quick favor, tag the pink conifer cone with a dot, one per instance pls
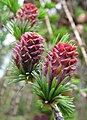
(61, 62)
(28, 12)
(28, 51)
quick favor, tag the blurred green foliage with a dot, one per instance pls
(50, 5)
(79, 11)
(13, 6)
(41, 13)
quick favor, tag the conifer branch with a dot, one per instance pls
(68, 14)
(57, 113)
(47, 20)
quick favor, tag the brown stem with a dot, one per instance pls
(57, 113)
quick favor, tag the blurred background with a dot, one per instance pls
(24, 105)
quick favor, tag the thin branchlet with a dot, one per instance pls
(57, 114)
